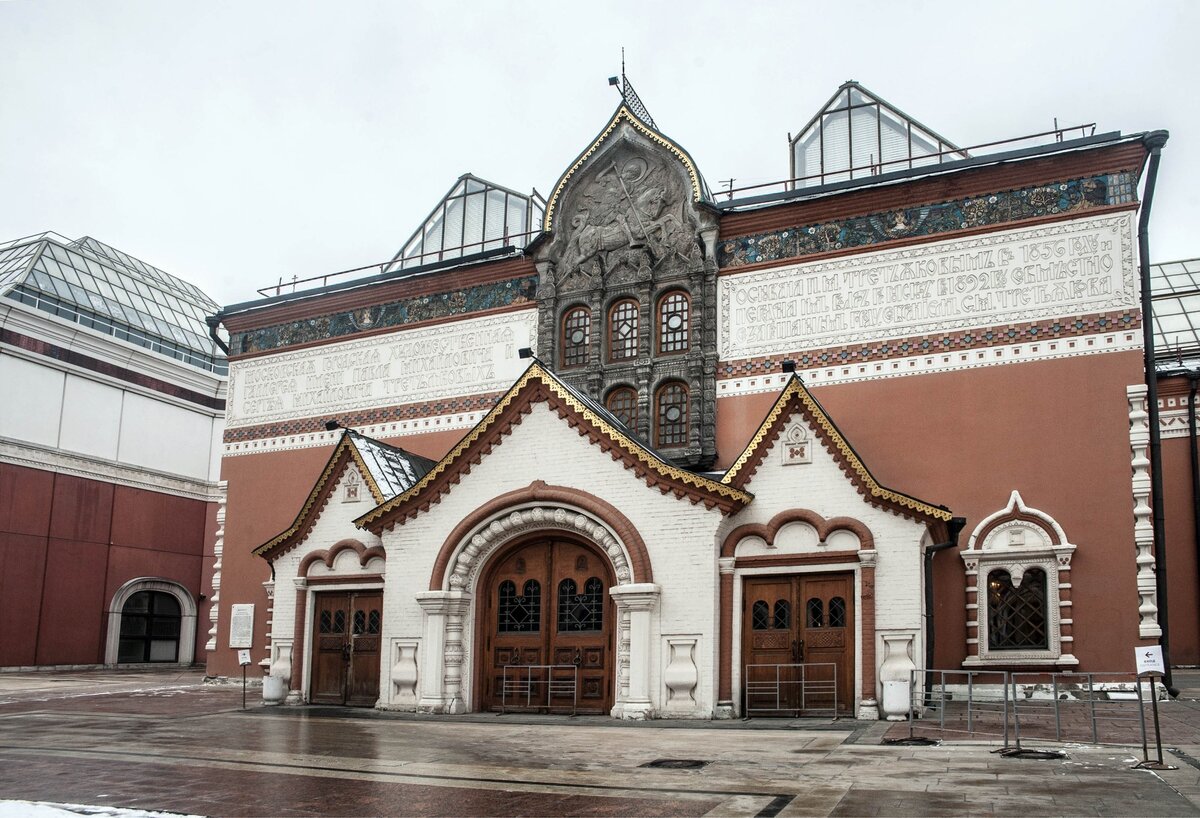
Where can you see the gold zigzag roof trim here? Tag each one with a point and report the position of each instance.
(796, 387)
(623, 113)
(347, 442)
(536, 372)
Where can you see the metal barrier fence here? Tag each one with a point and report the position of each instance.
(1016, 709)
(520, 683)
(799, 689)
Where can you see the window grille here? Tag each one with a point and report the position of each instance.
(673, 322)
(581, 612)
(783, 614)
(672, 412)
(577, 325)
(1017, 616)
(622, 330)
(622, 402)
(520, 614)
(760, 616)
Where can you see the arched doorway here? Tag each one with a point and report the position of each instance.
(545, 624)
(151, 620)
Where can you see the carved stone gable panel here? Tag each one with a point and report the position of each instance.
(628, 229)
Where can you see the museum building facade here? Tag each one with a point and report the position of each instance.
(640, 450)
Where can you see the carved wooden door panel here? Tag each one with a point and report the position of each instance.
(346, 646)
(791, 621)
(546, 604)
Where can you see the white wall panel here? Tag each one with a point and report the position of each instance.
(91, 421)
(161, 436)
(32, 404)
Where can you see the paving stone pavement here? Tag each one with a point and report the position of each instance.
(165, 741)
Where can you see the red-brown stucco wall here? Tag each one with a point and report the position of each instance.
(67, 544)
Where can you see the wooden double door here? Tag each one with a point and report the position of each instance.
(346, 644)
(545, 630)
(798, 644)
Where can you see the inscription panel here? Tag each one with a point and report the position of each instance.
(1069, 268)
(426, 363)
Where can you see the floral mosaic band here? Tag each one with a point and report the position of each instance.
(882, 350)
(929, 220)
(392, 314)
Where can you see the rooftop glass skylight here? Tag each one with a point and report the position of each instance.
(475, 216)
(1175, 288)
(98, 286)
(857, 135)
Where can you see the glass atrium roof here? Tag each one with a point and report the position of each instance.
(858, 134)
(98, 286)
(1175, 292)
(473, 217)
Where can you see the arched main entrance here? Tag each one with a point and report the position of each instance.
(545, 620)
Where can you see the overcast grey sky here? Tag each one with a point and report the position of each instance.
(234, 143)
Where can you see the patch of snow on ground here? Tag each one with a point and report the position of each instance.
(41, 809)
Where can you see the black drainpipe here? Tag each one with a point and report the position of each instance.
(952, 530)
(213, 322)
(1193, 377)
(1154, 141)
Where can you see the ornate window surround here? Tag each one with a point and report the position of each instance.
(576, 318)
(621, 311)
(1014, 539)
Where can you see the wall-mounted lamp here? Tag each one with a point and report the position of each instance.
(788, 366)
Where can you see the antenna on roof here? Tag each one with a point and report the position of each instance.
(632, 101)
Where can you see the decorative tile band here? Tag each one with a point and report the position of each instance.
(887, 349)
(393, 314)
(428, 415)
(929, 220)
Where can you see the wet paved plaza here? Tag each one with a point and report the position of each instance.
(168, 742)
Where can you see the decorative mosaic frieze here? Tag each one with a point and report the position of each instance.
(392, 314)
(929, 220)
(888, 348)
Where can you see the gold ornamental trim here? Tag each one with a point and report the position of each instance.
(347, 442)
(537, 373)
(623, 114)
(796, 388)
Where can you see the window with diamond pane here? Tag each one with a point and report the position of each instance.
(783, 614)
(622, 330)
(760, 616)
(520, 614)
(815, 612)
(576, 335)
(837, 612)
(1017, 614)
(580, 612)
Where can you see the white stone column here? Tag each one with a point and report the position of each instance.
(639, 601)
(443, 652)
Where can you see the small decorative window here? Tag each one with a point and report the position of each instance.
(783, 614)
(760, 616)
(815, 613)
(622, 402)
(360, 622)
(581, 612)
(350, 487)
(623, 330)
(520, 614)
(1017, 615)
(671, 411)
(837, 612)
(576, 336)
(673, 309)
(373, 620)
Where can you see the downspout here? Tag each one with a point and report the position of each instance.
(952, 530)
(1154, 141)
(213, 322)
(1193, 377)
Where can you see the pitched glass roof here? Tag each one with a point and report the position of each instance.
(1175, 292)
(98, 286)
(474, 216)
(394, 470)
(858, 134)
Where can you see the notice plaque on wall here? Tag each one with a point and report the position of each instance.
(241, 626)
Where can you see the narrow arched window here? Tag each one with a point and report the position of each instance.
(673, 311)
(1017, 615)
(622, 402)
(623, 330)
(837, 612)
(760, 616)
(783, 614)
(671, 415)
(815, 610)
(576, 336)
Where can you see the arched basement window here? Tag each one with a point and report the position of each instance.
(150, 623)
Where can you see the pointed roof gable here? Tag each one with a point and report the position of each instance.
(539, 384)
(386, 471)
(624, 115)
(795, 398)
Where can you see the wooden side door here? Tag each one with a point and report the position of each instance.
(581, 630)
(827, 635)
(770, 645)
(514, 618)
(331, 646)
(366, 620)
